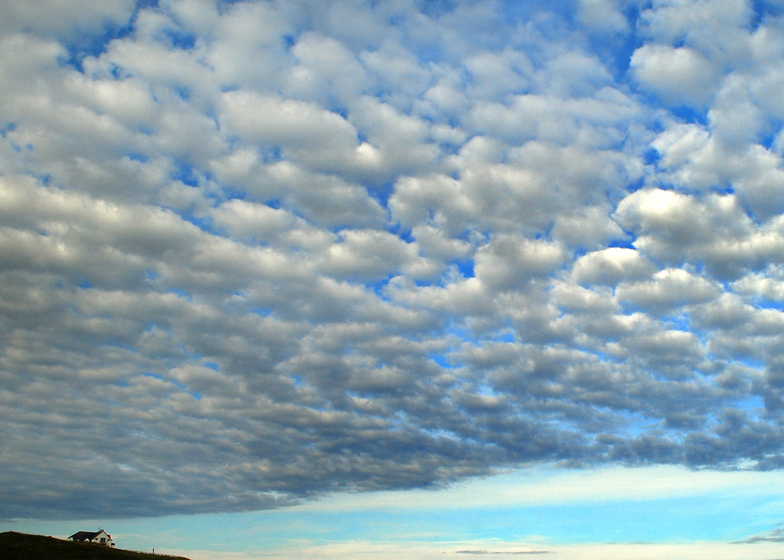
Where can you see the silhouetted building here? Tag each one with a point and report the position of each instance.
(100, 537)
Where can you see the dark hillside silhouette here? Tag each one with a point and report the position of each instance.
(19, 546)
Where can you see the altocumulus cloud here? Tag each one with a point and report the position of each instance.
(254, 252)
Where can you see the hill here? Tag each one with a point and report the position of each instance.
(19, 546)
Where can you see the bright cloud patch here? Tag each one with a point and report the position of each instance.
(255, 252)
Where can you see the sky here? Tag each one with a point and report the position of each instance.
(394, 278)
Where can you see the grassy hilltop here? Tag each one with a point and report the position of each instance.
(18, 546)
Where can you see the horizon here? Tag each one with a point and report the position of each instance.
(373, 279)
(568, 514)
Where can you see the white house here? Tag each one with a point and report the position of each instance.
(100, 537)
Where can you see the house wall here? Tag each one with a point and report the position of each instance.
(102, 538)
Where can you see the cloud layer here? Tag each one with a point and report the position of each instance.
(255, 252)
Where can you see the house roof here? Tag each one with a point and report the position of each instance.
(87, 535)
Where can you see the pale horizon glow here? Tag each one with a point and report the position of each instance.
(538, 486)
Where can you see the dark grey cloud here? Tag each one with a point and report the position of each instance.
(514, 552)
(776, 535)
(252, 253)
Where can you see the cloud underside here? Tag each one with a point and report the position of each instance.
(776, 536)
(514, 552)
(256, 252)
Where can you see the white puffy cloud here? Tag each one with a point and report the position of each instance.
(64, 21)
(509, 263)
(717, 29)
(295, 125)
(610, 266)
(669, 288)
(680, 76)
(767, 284)
(602, 15)
(713, 230)
(594, 228)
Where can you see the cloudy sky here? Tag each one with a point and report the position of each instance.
(429, 269)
